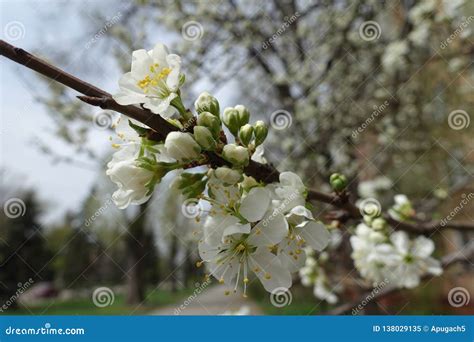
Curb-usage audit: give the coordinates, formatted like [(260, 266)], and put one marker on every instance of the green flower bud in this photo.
[(210, 121), (244, 114), (237, 155), (261, 131), (248, 183), (204, 137), (230, 118), (245, 134), (207, 103), (227, 175), (379, 223), (338, 182)]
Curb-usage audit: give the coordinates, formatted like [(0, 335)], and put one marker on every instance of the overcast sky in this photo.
[(61, 186)]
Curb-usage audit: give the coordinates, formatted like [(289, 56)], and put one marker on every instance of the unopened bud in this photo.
[(338, 182), (245, 134), (207, 103), (204, 137), (260, 131), (230, 118), (244, 114), (210, 121), (237, 155)]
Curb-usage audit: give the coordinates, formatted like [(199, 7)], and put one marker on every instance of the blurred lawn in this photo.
[(85, 306), (428, 299)]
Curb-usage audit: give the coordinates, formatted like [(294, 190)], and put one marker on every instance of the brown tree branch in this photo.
[(261, 172), (463, 255)]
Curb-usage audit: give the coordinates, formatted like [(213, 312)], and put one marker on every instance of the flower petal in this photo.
[(423, 247), (255, 204), (270, 231), (269, 270), (315, 234)]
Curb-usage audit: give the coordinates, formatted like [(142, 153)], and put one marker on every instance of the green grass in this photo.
[(85, 306)]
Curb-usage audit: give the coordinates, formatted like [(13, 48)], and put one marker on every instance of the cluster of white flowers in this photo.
[(251, 227), (313, 274), (392, 257)]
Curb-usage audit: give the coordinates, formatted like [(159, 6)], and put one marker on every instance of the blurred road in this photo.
[(212, 301)]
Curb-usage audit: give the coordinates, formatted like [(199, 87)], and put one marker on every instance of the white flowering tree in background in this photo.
[(337, 81)]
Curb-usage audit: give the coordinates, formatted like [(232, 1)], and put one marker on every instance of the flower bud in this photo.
[(207, 103), (228, 175), (245, 134), (379, 223), (181, 146), (237, 155), (338, 182), (248, 183), (244, 114), (230, 118), (204, 138), (261, 131), (210, 121)]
